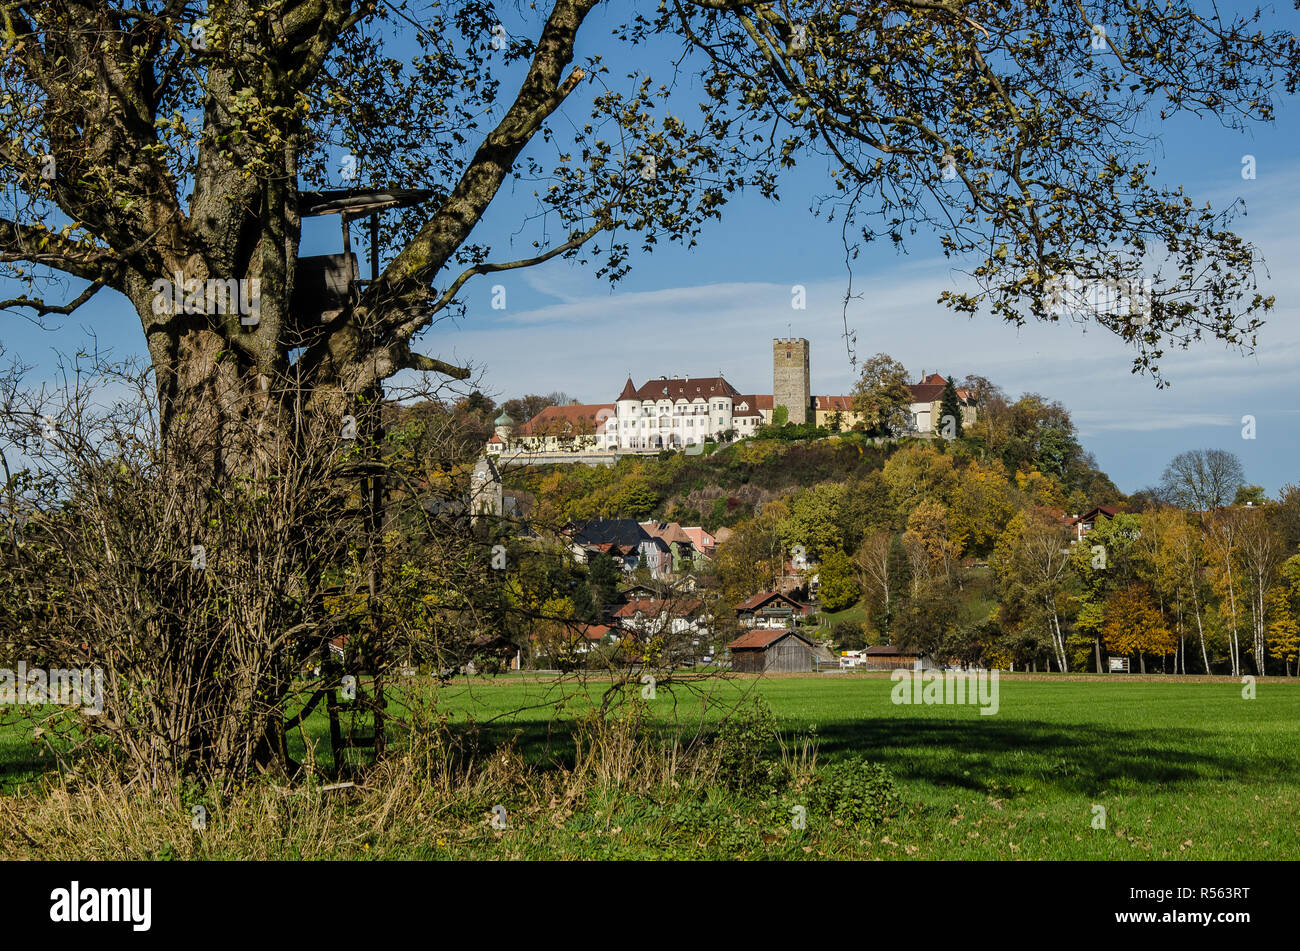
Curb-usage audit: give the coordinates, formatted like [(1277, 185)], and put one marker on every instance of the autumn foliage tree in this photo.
[(1134, 625)]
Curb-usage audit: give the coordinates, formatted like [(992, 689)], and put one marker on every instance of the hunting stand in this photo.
[(326, 288)]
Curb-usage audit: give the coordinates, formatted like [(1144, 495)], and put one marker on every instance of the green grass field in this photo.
[(1183, 768)]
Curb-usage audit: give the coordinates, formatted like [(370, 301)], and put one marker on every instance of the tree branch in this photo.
[(411, 273), (43, 309)]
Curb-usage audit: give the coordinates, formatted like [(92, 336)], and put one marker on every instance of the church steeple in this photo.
[(503, 425)]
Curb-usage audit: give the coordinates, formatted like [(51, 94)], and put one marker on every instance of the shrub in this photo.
[(849, 635), (746, 750), (854, 791)]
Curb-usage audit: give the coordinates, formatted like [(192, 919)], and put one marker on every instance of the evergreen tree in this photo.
[(899, 570), (949, 405), (603, 578)]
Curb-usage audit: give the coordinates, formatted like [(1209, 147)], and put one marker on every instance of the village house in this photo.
[(672, 616), (769, 610), (665, 549), (624, 540), (681, 548), (574, 427), (1083, 524), (573, 639), (592, 636), (705, 543), (640, 592), (925, 409)]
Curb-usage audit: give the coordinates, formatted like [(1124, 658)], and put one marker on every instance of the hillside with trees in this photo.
[(966, 548)]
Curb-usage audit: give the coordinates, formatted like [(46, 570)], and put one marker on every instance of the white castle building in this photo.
[(667, 413), (676, 412), (672, 413)]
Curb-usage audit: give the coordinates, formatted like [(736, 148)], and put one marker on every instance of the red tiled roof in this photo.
[(685, 388), (754, 404), (761, 638), (930, 390), (668, 531), (594, 632), (843, 404), (576, 419), (680, 608), (701, 539)]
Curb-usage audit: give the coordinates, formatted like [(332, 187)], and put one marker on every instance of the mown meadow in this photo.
[(1183, 768)]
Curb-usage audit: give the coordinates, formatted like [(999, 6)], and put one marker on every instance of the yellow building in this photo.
[(927, 399)]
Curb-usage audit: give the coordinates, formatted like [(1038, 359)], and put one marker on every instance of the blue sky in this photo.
[(718, 306)]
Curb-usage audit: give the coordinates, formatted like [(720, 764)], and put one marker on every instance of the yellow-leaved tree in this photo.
[(1284, 615), (1135, 625)]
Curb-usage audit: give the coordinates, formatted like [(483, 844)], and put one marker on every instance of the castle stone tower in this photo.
[(791, 380)]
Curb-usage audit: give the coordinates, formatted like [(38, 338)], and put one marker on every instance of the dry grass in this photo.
[(434, 795)]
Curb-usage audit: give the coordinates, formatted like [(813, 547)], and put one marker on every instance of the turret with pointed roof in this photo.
[(629, 391), (502, 430)]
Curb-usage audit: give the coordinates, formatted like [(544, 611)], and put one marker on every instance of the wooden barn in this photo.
[(772, 651), (889, 657)]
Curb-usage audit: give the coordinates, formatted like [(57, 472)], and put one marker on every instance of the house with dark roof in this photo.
[(1083, 524), (640, 592), (624, 540), (769, 609)]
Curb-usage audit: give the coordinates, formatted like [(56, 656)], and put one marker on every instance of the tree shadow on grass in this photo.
[(1013, 753), (986, 754)]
